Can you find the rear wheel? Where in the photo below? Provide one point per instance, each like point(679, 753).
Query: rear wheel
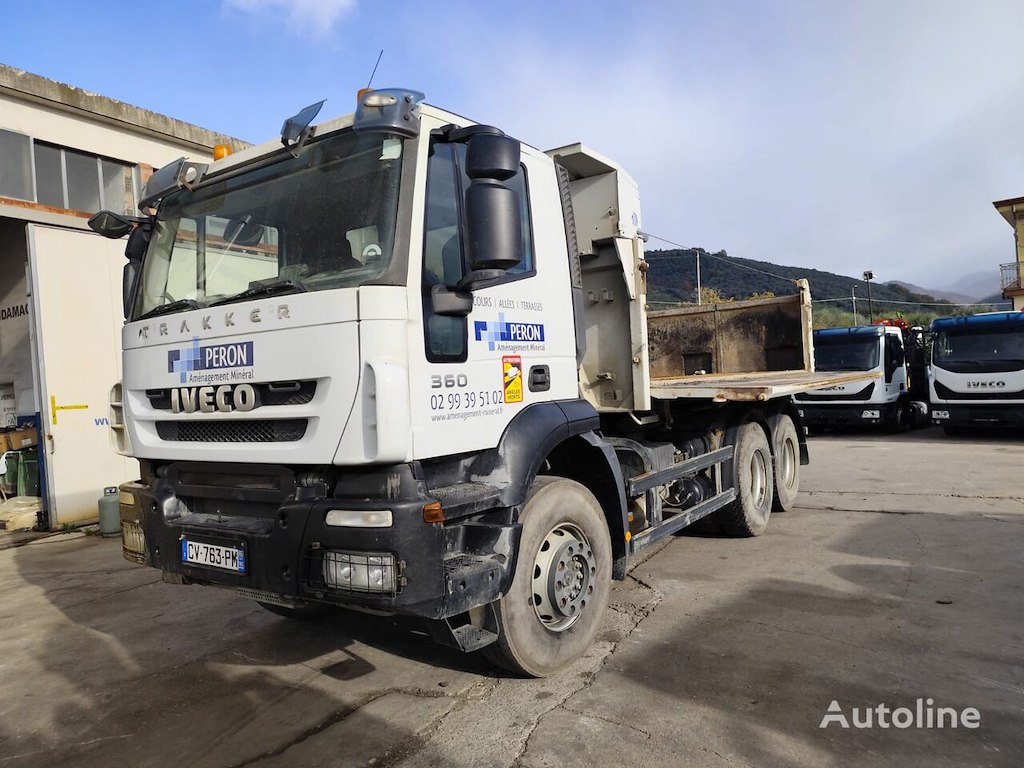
point(786, 456)
point(753, 479)
point(560, 587)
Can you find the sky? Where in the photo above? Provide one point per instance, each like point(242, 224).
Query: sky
point(843, 136)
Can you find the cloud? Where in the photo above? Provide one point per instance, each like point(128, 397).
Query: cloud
point(313, 18)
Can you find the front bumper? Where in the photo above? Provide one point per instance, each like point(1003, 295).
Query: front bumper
point(846, 415)
point(978, 415)
point(432, 570)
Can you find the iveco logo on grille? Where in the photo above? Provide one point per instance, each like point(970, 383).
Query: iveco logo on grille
point(195, 357)
point(986, 384)
point(225, 398)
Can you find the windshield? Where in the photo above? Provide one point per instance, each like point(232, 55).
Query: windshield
point(987, 349)
point(323, 220)
point(846, 353)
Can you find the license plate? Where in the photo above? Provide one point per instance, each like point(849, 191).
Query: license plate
point(213, 556)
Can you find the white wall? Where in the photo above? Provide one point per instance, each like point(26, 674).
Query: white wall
point(78, 132)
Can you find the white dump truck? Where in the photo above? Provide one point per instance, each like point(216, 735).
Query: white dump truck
point(398, 361)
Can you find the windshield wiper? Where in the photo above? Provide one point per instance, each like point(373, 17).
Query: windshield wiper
point(173, 306)
point(263, 289)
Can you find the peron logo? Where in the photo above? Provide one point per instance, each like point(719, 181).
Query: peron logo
point(503, 332)
point(238, 354)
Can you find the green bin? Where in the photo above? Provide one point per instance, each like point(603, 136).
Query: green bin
point(9, 480)
point(28, 472)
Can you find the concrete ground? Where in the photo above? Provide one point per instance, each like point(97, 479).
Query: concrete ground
point(898, 577)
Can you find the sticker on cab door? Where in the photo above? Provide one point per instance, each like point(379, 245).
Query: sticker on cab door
point(512, 378)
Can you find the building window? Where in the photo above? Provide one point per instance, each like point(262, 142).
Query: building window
point(15, 165)
point(63, 178)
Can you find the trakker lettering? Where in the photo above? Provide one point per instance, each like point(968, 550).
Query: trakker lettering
point(225, 398)
point(208, 322)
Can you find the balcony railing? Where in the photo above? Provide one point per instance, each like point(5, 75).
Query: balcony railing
point(1011, 276)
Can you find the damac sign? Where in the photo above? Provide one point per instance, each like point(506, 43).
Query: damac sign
point(19, 310)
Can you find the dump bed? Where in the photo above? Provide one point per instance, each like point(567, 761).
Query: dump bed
point(764, 385)
point(740, 350)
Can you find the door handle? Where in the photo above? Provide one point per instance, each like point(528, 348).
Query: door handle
point(540, 378)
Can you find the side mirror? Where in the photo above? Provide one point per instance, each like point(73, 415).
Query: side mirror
point(138, 242)
point(494, 224)
point(112, 225)
point(450, 303)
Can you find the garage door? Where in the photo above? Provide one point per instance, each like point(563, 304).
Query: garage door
point(75, 287)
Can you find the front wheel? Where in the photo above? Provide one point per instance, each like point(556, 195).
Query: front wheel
point(562, 580)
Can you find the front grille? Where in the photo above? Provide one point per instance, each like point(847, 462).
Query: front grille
point(944, 392)
point(254, 431)
point(862, 394)
point(267, 394)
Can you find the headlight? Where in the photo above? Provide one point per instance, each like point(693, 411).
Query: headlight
point(870, 414)
point(940, 414)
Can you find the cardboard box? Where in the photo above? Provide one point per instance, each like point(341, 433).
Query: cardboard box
point(19, 438)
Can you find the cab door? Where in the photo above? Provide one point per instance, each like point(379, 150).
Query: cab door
point(517, 346)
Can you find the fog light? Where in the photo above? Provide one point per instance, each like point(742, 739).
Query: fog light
point(359, 518)
point(801, 413)
point(939, 415)
point(359, 572)
point(870, 414)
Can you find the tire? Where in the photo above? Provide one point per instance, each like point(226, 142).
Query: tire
point(305, 612)
point(754, 481)
point(902, 420)
point(563, 525)
point(786, 461)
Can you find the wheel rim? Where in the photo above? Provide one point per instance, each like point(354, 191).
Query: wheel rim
point(788, 464)
point(563, 577)
point(758, 479)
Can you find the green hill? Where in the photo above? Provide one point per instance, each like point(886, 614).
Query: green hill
point(672, 279)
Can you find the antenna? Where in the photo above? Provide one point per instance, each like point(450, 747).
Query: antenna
point(375, 68)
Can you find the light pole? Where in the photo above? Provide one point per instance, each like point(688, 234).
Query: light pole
point(868, 277)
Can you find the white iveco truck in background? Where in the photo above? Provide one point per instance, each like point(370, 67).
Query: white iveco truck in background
point(977, 371)
point(896, 398)
point(398, 361)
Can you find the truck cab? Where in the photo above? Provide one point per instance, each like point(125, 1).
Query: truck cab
point(976, 375)
point(883, 400)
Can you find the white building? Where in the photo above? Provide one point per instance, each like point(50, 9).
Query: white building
point(65, 154)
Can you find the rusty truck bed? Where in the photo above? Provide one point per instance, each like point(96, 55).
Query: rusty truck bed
point(763, 385)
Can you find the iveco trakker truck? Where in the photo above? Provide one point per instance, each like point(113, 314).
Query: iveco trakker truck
point(977, 371)
point(399, 362)
point(896, 398)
